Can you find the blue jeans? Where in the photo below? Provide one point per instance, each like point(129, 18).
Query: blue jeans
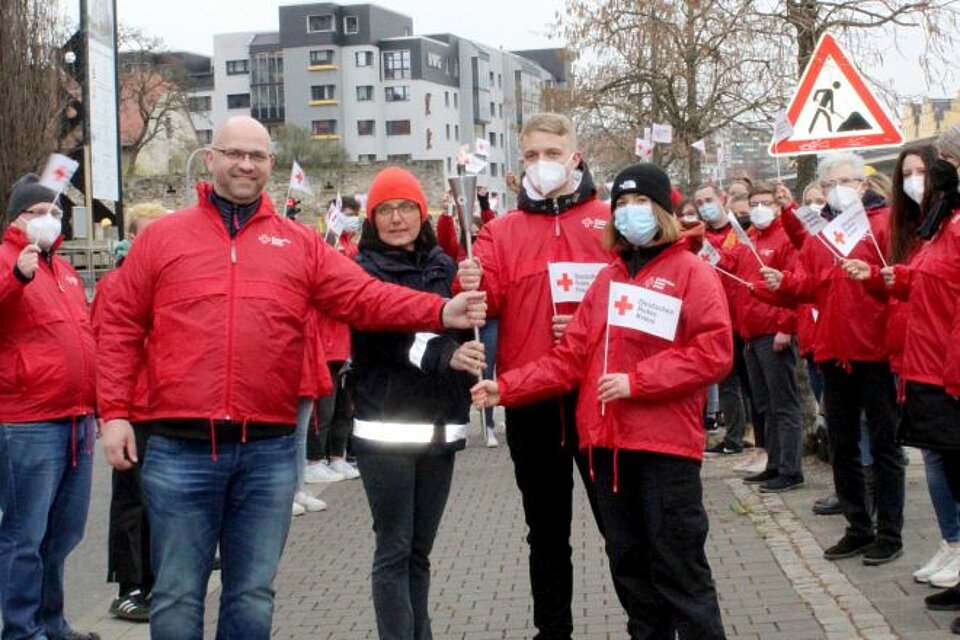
point(945, 507)
point(304, 413)
point(44, 499)
point(241, 501)
point(407, 495)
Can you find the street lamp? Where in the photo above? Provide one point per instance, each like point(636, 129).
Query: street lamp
point(188, 182)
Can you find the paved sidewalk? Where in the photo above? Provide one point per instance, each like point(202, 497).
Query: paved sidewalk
point(765, 550)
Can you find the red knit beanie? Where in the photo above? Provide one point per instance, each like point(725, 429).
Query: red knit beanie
point(395, 183)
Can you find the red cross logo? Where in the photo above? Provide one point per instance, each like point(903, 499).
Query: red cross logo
point(839, 238)
point(623, 305)
point(60, 174)
point(565, 282)
point(298, 176)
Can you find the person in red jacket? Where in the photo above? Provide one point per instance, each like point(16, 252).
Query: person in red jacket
point(559, 220)
point(640, 405)
point(770, 348)
point(222, 289)
point(47, 364)
point(850, 349)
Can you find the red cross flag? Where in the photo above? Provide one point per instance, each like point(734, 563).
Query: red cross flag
point(299, 181)
point(56, 176)
point(644, 310)
point(709, 253)
point(848, 228)
point(569, 281)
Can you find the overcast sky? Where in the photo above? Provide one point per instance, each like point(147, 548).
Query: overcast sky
point(513, 24)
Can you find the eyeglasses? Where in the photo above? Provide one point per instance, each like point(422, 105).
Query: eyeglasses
point(239, 155)
point(843, 182)
point(33, 213)
point(405, 208)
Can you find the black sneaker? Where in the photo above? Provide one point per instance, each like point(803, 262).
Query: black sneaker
point(882, 552)
point(955, 626)
point(848, 547)
point(723, 449)
point(948, 600)
point(781, 484)
point(764, 476)
point(132, 606)
point(827, 506)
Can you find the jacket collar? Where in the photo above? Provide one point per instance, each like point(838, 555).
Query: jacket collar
point(683, 244)
point(205, 191)
point(19, 239)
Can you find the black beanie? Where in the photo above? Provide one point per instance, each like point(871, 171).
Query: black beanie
point(26, 192)
point(646, 179)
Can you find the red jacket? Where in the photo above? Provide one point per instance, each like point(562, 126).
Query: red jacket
point(898, 309)
point(225, 317)
point(668, 380)
point(756, 317)
point(806, 313)
point(851, 323)
point(315, 380)
point(447, 234)
point(334, 335)
point(931, 351)
point(47, 352)
point(514, 251)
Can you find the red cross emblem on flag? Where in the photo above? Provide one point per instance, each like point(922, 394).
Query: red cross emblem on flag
point(60, 173)
point(565, 282)
point(839, 238)
point(623, 305)
point(298, 176)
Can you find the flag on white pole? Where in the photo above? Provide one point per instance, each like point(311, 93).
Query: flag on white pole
point(812, 221)
point(569, 281)
point(782, 128)
point(743, 237)
point(643, 149)
point(848, 228)
point(56, 176)
point(474, 164)
point(700, 145)
point(661, 133)
point(644, 310)
point(299, 181)
point(709, 253)
point(481, 147)
point(335, 219)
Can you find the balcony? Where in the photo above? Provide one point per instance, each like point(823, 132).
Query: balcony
point(327, 136)
point(322, 67)
point(323, 103)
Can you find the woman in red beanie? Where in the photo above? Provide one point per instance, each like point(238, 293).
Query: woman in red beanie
point(412, 407)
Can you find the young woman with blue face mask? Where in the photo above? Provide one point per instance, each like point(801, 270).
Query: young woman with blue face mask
point(639, 414)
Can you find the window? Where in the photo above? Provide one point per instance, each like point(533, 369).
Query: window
point(351, 25)
point(321, 56)
point(324, 127)
point(500, 111)
point(448, 132)
point(435, 61)
point(501, 140)
point(429, 139)
point(449, 165)
point(455, 105)
point(199, 103)
point(491, 79)
point(399, 157)
point(446, 99)
point(237, 67)
point(364, 58)
point(365, 93)
point(397, 94)
point(398, 127)
point(456, 130)
point(493, 139)
point(499, 81)
point(322, 92)
point(238, 101)
point(205, 136)
point(493, 109)
point(493, 169)
point(367, 158)
point(317, 24)
point(366, 127)
point(396, 65)
point(426, 103)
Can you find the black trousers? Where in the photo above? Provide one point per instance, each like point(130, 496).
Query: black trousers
point(868, 386)
point(543, 444)
point(128, 546)
point(334, 415)
point(656, 529)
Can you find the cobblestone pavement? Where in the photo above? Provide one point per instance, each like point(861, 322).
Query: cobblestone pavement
point(765, 551)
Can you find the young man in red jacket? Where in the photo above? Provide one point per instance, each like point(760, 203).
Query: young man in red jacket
point(559, 219)
point(849, 346)
point(222, 289)
point(47, 364)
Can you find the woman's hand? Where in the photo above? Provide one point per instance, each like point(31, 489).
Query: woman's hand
point(613, 386)
point(772, 277)
point(889, 276)
point(857, 269)
point(485, 393)
point(469, 357)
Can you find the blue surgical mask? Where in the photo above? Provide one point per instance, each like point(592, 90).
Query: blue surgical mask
point(637, 223)
point(711, 213)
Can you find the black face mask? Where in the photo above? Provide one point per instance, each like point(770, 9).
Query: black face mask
point(744, 221)
point(943, 176)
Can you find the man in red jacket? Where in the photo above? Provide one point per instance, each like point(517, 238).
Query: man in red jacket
point(46, 403)
point(222, 289)
point(559, 220)
point(849, 346)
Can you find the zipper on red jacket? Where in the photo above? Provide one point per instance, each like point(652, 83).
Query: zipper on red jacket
point(84, 365)
point(556, 218)
point(231, 310)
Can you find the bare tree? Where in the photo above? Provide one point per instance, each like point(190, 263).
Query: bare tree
point(30, 104)
point(153, 87)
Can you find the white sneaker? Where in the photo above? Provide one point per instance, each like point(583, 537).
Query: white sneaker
point(492, 439)
point(344, 468)
point(321, 472)
point(298, 510)
point(935, 563)
point(949, 574)
point(309, 502)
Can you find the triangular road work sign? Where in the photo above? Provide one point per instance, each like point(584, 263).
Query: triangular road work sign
point(834, 109)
